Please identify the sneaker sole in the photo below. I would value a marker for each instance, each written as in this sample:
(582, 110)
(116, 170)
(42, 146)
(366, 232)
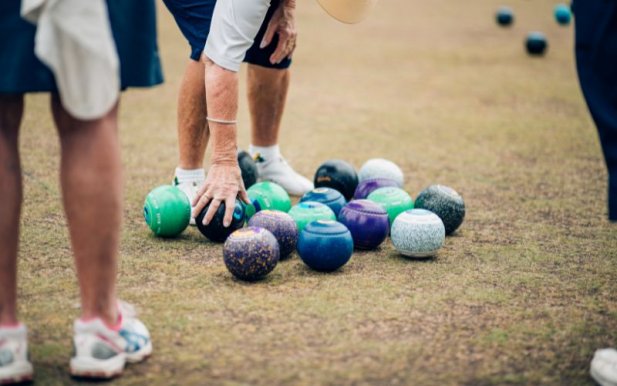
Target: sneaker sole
(93, 375)
(16, 380)
(599, 378)
(21, 374)
(98, 369)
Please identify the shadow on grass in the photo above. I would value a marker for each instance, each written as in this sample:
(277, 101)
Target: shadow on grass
(92, 381)
(304, 271)
(408, 259)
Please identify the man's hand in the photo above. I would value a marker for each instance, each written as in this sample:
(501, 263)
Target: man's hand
(282, 23)
(223, 185)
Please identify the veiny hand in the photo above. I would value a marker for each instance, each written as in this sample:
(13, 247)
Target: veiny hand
(223, 185)
(282, 23)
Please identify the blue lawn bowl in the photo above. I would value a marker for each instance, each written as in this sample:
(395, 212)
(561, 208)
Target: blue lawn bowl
(536, 44)
(563, 14)
(325, 245)
(504, 16)
(327, 196)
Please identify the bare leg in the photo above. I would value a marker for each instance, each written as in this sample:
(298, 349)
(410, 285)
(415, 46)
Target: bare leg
(91, 178)
(267, 93)
(193, 130)
(11, 111)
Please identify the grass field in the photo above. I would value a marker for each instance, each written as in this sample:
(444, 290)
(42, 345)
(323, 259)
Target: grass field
(522, 294)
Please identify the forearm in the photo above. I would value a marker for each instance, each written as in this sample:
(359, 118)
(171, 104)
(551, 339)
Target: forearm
(222, 106)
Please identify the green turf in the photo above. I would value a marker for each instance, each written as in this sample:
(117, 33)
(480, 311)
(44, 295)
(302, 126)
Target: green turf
(523, 294)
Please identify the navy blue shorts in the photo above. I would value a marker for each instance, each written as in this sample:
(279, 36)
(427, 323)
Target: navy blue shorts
(596, 57)
(194, 18)
(133, 25)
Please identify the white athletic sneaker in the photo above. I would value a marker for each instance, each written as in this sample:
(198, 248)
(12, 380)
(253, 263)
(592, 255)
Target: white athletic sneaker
(190, 189)
(102, 352)
(278, 170)
(14, 364)
(604, 367)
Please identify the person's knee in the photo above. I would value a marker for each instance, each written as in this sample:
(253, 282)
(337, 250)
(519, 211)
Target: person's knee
(215, 72)
(194, 75)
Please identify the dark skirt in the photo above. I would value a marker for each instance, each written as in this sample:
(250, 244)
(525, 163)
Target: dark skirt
(596, 58)
(133, 25)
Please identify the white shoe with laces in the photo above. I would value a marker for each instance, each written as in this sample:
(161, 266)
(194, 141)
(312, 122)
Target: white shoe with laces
(101, 352)
(14, 364)
(604, 367)
(277, 170)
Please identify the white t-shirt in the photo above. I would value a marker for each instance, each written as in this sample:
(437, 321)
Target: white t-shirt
(235, 23)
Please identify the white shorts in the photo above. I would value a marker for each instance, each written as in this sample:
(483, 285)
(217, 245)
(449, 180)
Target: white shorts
(235, 23)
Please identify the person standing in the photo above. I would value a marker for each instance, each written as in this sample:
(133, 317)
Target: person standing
(82, 53)
(596, 59)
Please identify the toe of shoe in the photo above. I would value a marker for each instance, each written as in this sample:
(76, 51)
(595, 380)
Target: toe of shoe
(300, 187)
(604, 373)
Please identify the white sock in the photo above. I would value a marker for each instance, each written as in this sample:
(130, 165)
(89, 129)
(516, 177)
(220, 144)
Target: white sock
(190, 175)
(265, 152)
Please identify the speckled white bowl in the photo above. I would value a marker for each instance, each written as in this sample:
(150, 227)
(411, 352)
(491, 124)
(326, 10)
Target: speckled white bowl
(418, 233)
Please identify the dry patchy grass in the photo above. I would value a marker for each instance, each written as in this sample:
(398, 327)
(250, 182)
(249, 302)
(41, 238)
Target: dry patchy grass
(523, 294)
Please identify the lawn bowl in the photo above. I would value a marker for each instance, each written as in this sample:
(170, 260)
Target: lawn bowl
(418, 233)
(325, 245)
(251, 253)
(327, 196)
(367, 221)
(167, 211)
(338, 175)
(281, 225)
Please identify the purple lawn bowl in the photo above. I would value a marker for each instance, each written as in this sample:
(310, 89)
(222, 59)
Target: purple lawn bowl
(369, 186)
(282, 226)
(251, 253)
(367, 221)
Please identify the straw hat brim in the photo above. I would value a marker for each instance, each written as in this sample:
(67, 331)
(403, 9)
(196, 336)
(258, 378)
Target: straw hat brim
(348, 11)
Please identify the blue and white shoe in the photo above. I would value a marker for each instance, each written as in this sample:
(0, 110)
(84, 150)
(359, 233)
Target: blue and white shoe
(102, 352)
(14, 364)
